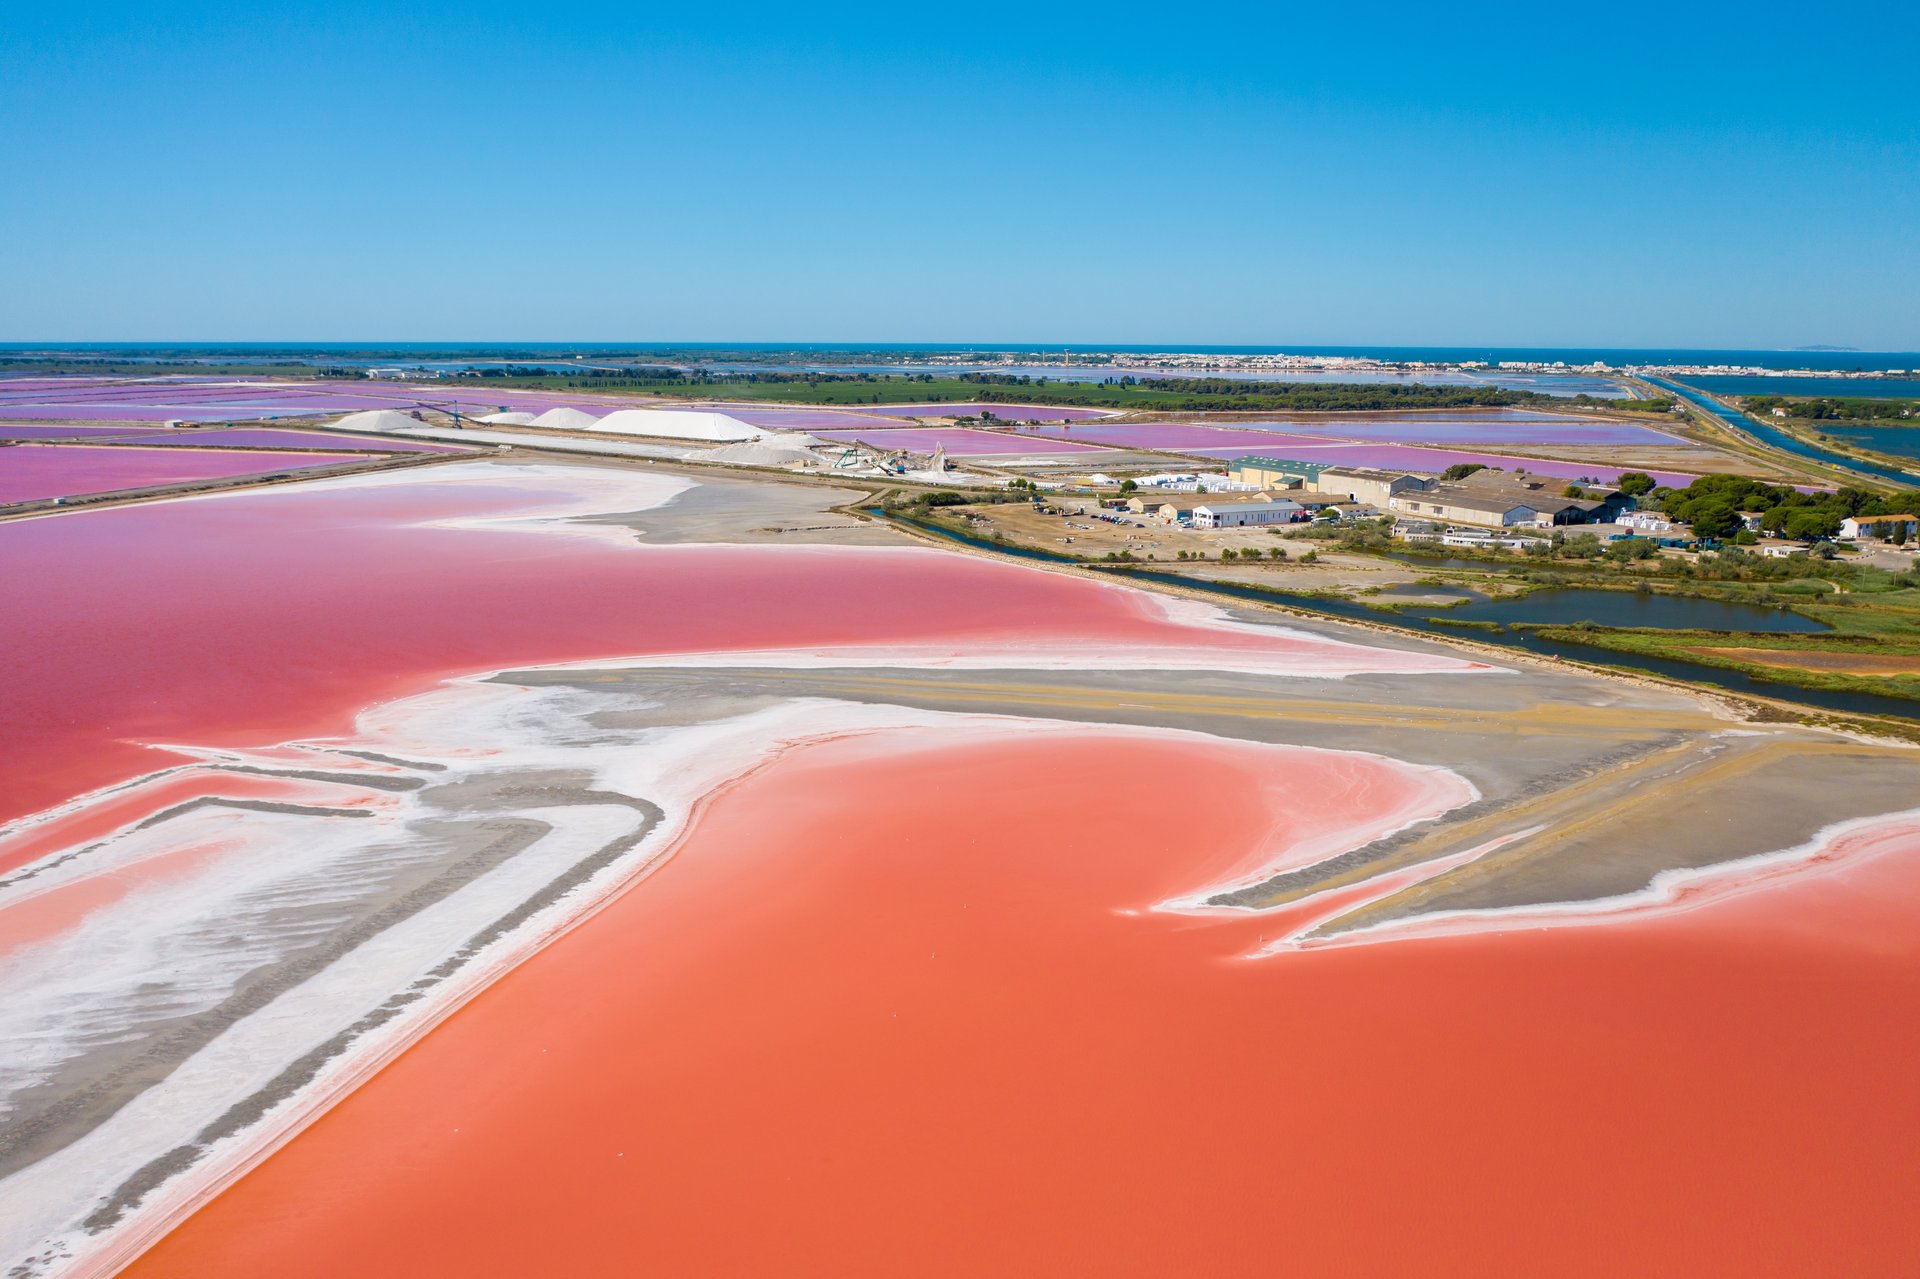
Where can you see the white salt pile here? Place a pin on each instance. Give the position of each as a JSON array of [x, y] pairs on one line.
[[379, 420], [774, 448], [509, 419], [670, 424], [565, 419]]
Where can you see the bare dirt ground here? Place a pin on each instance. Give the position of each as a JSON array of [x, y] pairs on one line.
[[1812, 660]]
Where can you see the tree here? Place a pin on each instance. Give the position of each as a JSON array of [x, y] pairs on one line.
[[1714, 520], [1899, 537], [1582, 546], [1461, 470], [1128, 486], [1628, 549], [1634, 483], [1573, 490], [1807, 524]]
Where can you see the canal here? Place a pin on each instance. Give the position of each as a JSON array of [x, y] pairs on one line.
[[1786, 443]]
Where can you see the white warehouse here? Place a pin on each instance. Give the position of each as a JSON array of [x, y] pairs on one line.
[[1242, 512]]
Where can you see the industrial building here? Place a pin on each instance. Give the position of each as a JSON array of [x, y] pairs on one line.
[[1271, 473], [1456, 505], [1367, 484], [1170, 510], [1511, 500], [1243, 512]]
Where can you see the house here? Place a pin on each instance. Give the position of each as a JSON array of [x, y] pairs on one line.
[[1750, 521], [1246, 511], [1171, 510], [1884, 527]]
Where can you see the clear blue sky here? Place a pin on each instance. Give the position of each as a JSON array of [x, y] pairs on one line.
[[1677, 174]]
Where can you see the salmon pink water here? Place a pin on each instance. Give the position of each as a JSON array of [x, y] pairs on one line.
[[936, 995], [255, 618], [867, 1039]]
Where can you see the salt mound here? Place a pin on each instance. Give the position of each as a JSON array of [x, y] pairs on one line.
[[378, 420], [509, 419], [775, 448], [565, 419], [670, 424]]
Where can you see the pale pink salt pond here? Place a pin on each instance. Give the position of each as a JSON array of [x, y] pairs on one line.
[[270, 438], [1005, 412], [52, 431], [958, 440], [30, 473]]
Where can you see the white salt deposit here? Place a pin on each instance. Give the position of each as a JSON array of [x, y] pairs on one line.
[[671, 424], [775, 448], [565, 419], [377, 420], [509, 419]]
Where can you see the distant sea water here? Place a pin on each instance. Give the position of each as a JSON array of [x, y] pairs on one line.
[[911, 357], [1848, 361]]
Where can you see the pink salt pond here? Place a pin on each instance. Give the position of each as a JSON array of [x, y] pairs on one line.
[[959, 441], [269, 438], [30, 473]]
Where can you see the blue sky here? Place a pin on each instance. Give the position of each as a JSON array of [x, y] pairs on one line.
[[1627, 175]]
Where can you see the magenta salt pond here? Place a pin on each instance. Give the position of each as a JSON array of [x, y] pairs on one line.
[[960, 441], [775, 418], [49, 431], [216, 400], [1177, 437], [1406, 457], [268, 438], [1536, 430], [1005, 412], [33, 472]]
